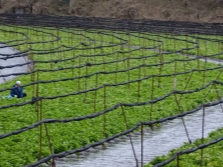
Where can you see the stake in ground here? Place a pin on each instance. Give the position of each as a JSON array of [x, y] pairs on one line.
[[117, 78]]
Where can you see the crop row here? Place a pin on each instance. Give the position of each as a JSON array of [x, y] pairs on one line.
[[81, 72]]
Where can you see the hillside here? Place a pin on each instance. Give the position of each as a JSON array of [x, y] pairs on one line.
[[178, 10]]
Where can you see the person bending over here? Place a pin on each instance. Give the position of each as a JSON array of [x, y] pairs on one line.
[[17, 90]]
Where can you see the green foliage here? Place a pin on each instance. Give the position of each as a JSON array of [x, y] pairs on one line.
[[94, 47], [211, 155]]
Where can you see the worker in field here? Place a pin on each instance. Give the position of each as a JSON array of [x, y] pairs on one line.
[[17, 90]]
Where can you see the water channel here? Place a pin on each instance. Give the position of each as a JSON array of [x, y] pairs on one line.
[[155, 143], [119, 154], [7, 52], [158, 142]]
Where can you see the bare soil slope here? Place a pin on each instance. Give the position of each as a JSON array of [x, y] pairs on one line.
[[178, 10]]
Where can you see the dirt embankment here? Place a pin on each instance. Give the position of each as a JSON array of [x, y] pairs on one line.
[[179, 10]]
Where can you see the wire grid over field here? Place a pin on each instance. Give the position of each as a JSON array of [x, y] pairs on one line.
[[92, 80]]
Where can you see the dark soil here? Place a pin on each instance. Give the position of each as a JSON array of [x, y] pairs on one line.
[[177, 10]]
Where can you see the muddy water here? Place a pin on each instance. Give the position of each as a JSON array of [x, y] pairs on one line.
[[158, 142]]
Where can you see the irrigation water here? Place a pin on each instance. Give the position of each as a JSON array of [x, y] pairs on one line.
[[87, 86], [156, 143], [6, 52]]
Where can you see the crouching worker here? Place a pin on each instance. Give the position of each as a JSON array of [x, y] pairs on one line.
[[17, 90]]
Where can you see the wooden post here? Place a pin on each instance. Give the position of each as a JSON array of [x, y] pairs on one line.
[[71, 3]]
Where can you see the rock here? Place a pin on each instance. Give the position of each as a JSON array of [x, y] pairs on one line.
[[44, 165], [72, 156], [91, 150]]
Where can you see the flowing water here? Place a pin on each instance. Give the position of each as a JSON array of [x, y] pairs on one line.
[[158, 142], [10, 62], [155, 143]]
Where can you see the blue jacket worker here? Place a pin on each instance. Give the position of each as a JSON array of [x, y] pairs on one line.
[[17, 90]]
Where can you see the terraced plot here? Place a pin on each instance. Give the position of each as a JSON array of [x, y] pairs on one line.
[[87, 86]]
